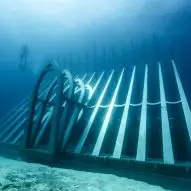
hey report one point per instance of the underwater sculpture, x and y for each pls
(68, 117)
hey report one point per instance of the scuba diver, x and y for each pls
(23, 57)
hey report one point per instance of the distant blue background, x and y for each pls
(77, 33)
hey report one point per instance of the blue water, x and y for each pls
(86, 36)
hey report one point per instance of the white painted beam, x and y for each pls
(104, 127)
(72, 120)
(185, 105)
(92, 118)
(141, 148)
(168, 156)
(95, 87)
(121, 133)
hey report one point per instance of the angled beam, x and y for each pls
(22, 115)
(94, 89)
(13, 112)
(7, 138)
(97, 83)
(91, 78)
(4, 121)
(92, 118)
(84, 77)
(104, 127)
(46, 119)
(19, 117)
(168, 156)
(13, 118)
(50, 112)
(121, 133)
(19, 108)
(66, 88)
(74, 116)
(185, 105)
(141, 148)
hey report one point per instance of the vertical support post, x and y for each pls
(103, 130)
(92, 118)
(141, 149)
(185, 105)
(168, 156)
(121, 132)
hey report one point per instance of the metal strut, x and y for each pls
(54, 111)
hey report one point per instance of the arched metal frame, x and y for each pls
(61, 122)
(57, 133)
(52, 67)
(73, 97)
(44, 103)
(81, 88)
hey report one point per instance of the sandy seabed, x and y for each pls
(22, 176)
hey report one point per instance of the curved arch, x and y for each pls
(90, 91)
(61, 114)
(80, 87)
(45, 102)
(50, 67)
(68, 76)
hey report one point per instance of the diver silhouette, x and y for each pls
(23, 57)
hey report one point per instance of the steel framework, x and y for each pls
(66, 116)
